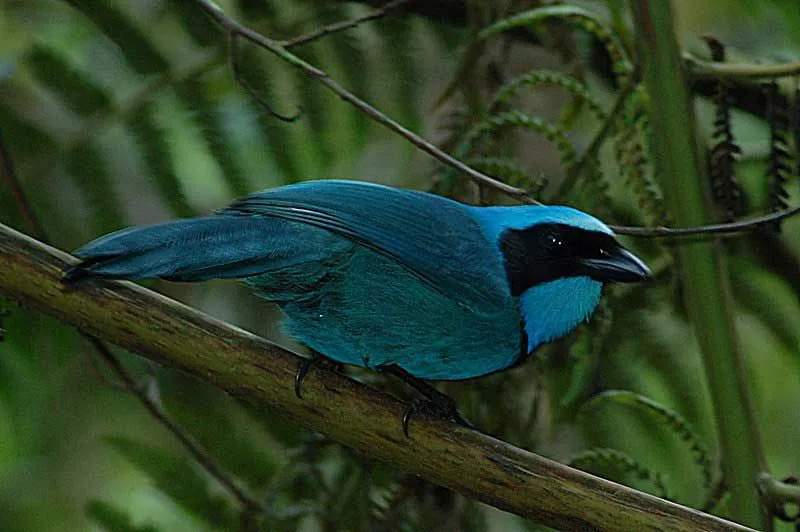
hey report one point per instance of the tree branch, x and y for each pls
(253, 369)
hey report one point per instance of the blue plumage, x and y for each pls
(374, 276)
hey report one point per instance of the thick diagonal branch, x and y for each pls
(255, 370)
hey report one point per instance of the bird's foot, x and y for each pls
(435, 403)
(440, 406)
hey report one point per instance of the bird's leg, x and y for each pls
(436, 403)
(316, 359)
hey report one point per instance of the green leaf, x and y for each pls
(350, 501)
(601, 457)
(91, 175)
(76, 89)
(769, 297)
(134, 44)
(508, 171)
(112, 519)
(154, 144)
(276, 133)
(633, 160)
(397, 38)
(581, 18)
(177, 479)
(240, 449)
(196, 22)
(662, 415)
(194, 97)
(518, 119)
(352, 62)
(315, 102)
(23, 138)
(572, 85)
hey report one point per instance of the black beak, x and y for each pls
(617, 264)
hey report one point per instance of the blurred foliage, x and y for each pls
(119, 113)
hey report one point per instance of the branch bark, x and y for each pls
(251, 368)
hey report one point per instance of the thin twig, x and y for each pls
(231, 26)
(182, 435)
(233, 64)
(343, 25)
(729, 228)
(202, 457)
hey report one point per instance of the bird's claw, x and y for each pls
(302, 371)
(442, 408)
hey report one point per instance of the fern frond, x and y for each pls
(591, 193)
(75, 88)
(193, 94)
(579, 17)
(632, 161)
(113, 519)
(780, 157)
(23, 137)
(591, 459)
(509, 172)
(132, 43)
(195, 23)
(535, 78)
(796, 129)
(664, 416)
(518, 119)
(178, 480)
(314, 102)
(276, 133)
(256, 9)
(389, 506)
(351, 60)
(722, 157)
(154, 144)
(90, 173)
(399, 43)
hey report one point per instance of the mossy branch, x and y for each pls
(257, 371)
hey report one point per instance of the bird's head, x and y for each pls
(560, 242)
(556, 260)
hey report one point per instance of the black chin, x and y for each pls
(618, 264)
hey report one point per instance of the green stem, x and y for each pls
(700, 67)
(703, 269)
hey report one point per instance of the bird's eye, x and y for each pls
(604, 252)
(554, 240)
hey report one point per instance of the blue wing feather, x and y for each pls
(437, 239)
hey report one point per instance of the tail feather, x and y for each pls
(211, 247)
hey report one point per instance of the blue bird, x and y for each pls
(392, 280)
